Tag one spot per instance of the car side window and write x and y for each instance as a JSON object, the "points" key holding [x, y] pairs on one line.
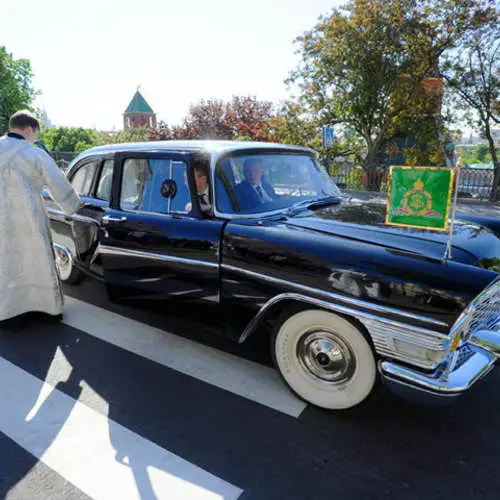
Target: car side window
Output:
{"points": [[182, 197], [154, 185], [105, 182], [83, 178], [224, 187]]}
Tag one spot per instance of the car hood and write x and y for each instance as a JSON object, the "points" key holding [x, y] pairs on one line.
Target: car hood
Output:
{"points": [[472, 243]]}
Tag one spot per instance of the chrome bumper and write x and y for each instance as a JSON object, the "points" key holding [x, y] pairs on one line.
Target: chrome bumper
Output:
{"points": [[472, 361]]}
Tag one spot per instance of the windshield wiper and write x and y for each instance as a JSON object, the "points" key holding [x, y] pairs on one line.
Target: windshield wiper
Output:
{"points": [[315, 203]]}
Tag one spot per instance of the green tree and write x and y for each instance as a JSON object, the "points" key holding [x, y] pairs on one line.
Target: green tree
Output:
{"points": [[477, 154], [71, 139], [16, 90], [128, 135], [363, 65], [473, 73], [294, 125]]}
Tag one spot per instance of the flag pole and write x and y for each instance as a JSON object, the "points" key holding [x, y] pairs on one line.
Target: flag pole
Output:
{"points": [[458, 165]]}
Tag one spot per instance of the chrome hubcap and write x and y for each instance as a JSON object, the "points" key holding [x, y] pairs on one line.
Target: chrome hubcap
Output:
{"points": [[63, 263], [326, 356]]}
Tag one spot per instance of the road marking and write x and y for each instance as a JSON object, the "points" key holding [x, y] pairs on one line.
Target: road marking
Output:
{"points": [[100, 457], [239, 376]]}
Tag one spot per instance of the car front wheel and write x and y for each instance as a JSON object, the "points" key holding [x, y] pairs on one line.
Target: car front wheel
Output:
{"points": [[325, 359]]}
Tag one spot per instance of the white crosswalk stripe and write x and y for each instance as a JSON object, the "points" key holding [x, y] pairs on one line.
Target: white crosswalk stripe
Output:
{"points": [[239, 376], [79, 444]]}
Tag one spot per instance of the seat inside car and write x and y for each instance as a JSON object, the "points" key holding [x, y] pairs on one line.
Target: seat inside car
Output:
{"points": [[224, 181]]}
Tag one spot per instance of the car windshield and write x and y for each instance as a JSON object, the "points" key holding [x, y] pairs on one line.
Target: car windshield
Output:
{"points": [[257, 183]]}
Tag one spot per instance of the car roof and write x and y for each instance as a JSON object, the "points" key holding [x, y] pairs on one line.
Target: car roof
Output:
{"points": [[210, 146]]}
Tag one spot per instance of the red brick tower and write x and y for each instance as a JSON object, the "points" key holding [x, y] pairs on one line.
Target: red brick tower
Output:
{"points": [[139, 113]]}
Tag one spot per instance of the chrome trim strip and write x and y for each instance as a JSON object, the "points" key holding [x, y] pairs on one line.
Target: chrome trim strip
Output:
{"points": [[420, 337], [56, 213], [406, 343], [488, 340], [337, 297], [74, 217], [108, 250], [260, 215]]}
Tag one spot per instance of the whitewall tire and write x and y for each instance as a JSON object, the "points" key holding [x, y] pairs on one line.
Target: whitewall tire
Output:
{"points": [[66, 269], [325, 359]]}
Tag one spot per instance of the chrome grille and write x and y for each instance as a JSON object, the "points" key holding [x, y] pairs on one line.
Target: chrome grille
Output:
{"points": [[463, 354], [486, 313], [483, 313]]}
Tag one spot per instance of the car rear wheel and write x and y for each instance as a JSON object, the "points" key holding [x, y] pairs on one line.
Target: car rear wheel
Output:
{"points": [[325, 359], [66, 269]]}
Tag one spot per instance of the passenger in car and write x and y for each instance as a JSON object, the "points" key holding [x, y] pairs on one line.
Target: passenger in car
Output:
{"points": [[202, 188], [254, 191]]}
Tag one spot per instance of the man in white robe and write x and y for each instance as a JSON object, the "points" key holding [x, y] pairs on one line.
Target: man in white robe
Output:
{"points": [[28, 277]]}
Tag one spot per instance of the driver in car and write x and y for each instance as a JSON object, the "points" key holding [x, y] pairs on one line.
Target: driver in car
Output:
{"points": [[253, 191]]}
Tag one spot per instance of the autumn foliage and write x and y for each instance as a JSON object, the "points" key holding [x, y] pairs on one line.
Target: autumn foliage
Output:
{"points": [[242, 118]]}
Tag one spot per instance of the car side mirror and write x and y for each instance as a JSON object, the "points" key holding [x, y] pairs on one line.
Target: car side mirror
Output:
{"points": [[168, 188]]}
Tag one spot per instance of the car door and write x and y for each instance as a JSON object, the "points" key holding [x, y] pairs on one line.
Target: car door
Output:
{"points": [[87, 227], [150, 243], [79, 232]]}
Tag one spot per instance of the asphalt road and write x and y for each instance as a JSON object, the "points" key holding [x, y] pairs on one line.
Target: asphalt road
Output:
{"points": [[143, 401]]}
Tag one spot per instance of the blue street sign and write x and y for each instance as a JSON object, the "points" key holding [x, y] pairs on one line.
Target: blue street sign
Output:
{"points": [[327, 137]]}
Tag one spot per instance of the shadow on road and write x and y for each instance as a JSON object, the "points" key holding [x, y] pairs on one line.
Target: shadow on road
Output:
{"points": [[195, 321], [48, 371], [392, 450]]}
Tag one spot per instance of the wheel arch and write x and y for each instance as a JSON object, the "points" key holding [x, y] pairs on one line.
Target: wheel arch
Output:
{"points": [[282, 306], [381, 332]]}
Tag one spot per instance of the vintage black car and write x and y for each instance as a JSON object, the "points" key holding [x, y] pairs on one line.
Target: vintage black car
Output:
{"points": [[261, 232]]}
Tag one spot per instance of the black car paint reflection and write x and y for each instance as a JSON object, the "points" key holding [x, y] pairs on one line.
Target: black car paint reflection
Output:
{"points": [[344, 249]]}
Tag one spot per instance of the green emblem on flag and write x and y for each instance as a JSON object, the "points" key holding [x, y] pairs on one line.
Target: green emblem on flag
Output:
{"points": [[420, 197]]}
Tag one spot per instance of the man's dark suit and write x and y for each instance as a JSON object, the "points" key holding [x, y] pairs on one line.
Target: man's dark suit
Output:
{"points": [[248, 197]]}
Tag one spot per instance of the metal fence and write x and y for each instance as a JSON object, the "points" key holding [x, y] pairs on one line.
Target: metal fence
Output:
{"points": [[474, 182], [63, 158], [350, 177]]}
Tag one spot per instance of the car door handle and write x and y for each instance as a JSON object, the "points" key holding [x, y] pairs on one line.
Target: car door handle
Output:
{"points": [[110, 218]]}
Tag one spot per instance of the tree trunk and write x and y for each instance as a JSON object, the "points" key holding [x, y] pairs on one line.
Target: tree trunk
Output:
{"points": [[373, 178], [495, 190], [372, 183]]}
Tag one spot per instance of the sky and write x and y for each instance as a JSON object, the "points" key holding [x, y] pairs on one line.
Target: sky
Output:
{"points": [[89, 57]]}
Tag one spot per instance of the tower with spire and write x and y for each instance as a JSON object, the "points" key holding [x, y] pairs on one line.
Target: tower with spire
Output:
{"points": [[45, 119], [139, 113]]}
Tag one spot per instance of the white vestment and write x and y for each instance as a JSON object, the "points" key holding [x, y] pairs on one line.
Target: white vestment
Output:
{"points": [[28, 276]]}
